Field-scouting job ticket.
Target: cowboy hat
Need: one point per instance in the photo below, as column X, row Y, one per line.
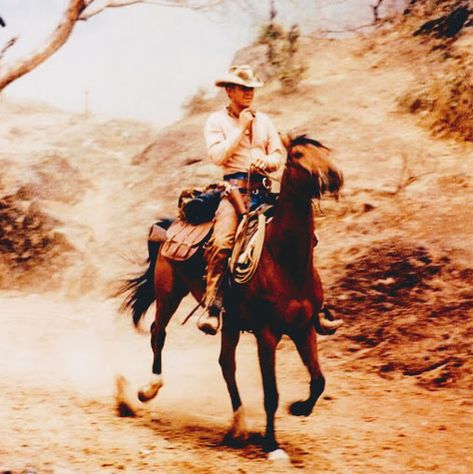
column 240, row 75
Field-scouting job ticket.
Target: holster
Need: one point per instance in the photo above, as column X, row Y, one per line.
column 237, row 200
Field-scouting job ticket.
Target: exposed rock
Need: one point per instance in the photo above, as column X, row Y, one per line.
column 446, row 26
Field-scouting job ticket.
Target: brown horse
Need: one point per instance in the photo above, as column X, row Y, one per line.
column 284, row 296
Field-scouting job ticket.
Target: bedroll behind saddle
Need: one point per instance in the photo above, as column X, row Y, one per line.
column 198, row 206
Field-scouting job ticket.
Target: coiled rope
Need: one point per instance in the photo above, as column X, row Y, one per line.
column 244, row 262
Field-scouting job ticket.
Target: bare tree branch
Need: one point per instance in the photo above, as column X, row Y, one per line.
column 347, row 30
column 407, row 175
column 75, row 12
column 7, row 46
column 375, row 11
column 194, row 5
column 57, row 39
column 86, row 15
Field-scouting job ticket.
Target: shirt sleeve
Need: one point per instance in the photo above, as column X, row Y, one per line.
column 219, row 146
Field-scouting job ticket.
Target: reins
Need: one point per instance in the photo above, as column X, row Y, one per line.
column 264, row 173
column 316, row 202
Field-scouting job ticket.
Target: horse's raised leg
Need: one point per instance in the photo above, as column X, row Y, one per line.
column 267, row 342
column 229, row 342
column 169, row 293
column 306, row 343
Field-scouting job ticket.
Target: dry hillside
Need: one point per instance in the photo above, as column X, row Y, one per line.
column 77, row 196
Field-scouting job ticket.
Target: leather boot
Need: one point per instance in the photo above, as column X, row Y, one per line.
column 211, row 320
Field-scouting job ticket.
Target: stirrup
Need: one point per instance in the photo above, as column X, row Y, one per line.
column 210, row 323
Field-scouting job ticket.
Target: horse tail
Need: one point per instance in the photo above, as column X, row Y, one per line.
column 139, row 290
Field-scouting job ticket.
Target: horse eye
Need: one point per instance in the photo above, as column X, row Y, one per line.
column 297, row 154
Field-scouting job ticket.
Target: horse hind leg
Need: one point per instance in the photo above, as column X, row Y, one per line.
column 150, row 390
column 169, row 294
column 306, row 344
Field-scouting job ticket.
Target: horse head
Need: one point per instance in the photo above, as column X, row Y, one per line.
column 313, row 158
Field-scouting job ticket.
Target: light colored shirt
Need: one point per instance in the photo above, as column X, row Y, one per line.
column 234, row 150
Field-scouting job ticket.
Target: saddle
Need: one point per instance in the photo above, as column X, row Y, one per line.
column 183, row 239
column 193, row 228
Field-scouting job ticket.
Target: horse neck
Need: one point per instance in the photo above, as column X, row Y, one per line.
column 291, row 236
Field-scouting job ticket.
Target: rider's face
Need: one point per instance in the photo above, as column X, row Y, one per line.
column 240, row 96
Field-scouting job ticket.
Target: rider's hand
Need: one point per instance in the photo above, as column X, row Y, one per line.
column 246, row 118
column 259, row 163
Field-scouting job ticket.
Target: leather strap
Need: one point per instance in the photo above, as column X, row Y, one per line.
column 242, row 184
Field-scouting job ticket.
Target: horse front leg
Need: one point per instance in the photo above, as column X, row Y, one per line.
column 229, row 342
column 169, row 293
column 306, row 344
column 267, row 342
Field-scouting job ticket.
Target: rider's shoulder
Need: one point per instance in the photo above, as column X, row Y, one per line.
column 217, row 116
column 264, row 118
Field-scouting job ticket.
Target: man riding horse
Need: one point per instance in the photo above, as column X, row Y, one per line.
column 242, row 142
column 284, row 295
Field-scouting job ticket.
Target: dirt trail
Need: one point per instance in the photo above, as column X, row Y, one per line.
column 58, row 362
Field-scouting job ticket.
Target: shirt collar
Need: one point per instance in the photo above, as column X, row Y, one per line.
column 230, row 112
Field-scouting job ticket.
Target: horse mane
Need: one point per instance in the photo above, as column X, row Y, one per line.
column 305, row 140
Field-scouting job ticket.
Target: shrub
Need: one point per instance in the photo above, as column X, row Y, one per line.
column 445, row 101
column 282, row 54
column 453, row 108
column 198, row 103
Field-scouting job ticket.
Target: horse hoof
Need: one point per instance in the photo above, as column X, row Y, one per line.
column 149, row 391
column 300, row 409
column 238, row 432
column 278, row 455
column 236, row 440
column 327, row 324
column 123, row 404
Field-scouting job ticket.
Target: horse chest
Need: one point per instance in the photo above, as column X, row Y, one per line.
column 298, row 311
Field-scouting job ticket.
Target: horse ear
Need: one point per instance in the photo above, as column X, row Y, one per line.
column 286, row 139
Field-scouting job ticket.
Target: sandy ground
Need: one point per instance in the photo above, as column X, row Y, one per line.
column 58, row 362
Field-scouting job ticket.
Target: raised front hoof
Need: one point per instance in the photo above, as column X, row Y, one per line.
column 300, row 409
column 331, row 328
column 325, row 323
column 149, row 391
column 278, row 456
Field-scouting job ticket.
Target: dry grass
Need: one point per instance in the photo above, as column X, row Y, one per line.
column 443, row 96
column 444, row 102
column 452, row 114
